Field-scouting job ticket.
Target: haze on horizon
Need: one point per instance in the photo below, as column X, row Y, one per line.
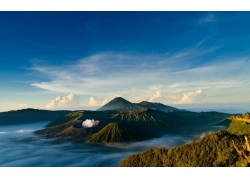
column 82, row 60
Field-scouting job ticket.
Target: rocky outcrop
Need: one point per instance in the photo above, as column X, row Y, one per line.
column 245, row 117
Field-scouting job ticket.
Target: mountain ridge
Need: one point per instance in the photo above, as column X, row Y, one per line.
column 121, row 104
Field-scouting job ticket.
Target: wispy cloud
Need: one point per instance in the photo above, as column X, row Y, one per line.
column 208, row 19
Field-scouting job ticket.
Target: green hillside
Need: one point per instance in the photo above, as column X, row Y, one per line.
column 213, row 150
column 118, row 132
column 29, row 116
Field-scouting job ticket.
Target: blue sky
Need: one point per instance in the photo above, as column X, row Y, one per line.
column 82, row 60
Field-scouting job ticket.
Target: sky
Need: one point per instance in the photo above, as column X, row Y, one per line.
column 83, row 59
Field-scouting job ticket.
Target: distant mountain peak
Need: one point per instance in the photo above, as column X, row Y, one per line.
column 116, row 103
column 120, row 99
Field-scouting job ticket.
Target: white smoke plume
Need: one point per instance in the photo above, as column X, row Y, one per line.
column 88, row 123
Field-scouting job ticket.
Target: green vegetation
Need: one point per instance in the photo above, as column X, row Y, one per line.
column 220, row 149
column 118, row 132
column 29, row 116
column 213, row 150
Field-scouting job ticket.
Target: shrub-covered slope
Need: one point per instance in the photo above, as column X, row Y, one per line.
column 213, row 150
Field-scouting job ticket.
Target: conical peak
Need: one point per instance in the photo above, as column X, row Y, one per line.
column 119, row 100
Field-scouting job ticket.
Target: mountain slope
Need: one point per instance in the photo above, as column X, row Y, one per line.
column 118, row 132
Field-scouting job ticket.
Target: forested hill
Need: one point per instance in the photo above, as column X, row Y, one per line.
column 29, row 116
column 214, row 150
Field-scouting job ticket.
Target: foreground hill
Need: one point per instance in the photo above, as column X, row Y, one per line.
column 29, row 116
column 118, row 132
column 121, row 104
column 223, row 148
column 213, row 150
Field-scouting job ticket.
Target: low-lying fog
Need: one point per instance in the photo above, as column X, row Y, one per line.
column 20, row 147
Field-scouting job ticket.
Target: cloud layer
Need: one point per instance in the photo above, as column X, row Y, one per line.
column 70, row 101
column 137, row 77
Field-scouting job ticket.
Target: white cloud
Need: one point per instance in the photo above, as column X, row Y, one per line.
column 70, row 101
column 98, row 101
column 190, row 97
column 157, row 95
column 105, row 101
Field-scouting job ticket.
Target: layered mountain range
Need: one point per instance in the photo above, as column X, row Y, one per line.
column 119, row 118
